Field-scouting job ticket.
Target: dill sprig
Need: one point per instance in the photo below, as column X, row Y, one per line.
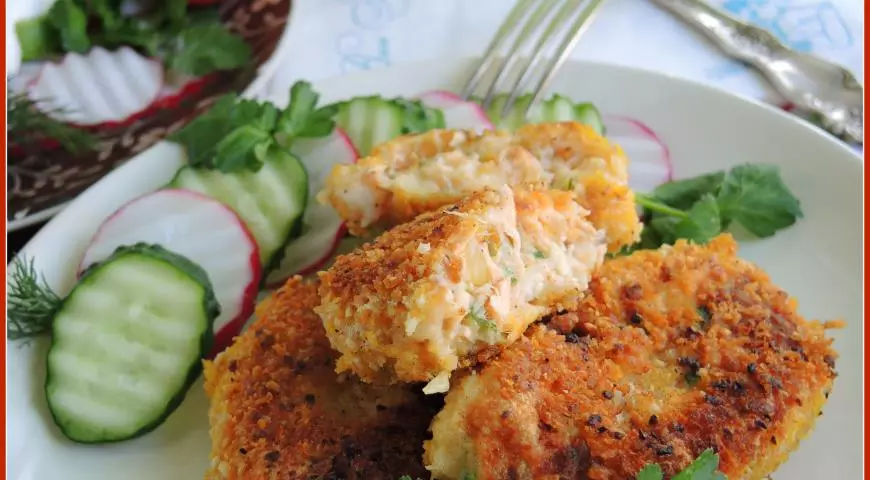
column 31, row 303
column 27, row 122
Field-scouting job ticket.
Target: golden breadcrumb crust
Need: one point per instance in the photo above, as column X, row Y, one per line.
column 563, row 155
column 671, row 353
column 279, row 411
column 377, row 301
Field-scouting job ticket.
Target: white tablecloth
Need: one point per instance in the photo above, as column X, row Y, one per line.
column 332, row 37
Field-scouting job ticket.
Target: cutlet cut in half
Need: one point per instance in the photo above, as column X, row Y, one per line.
column 418, row 173
column 279, row 410
column 438, row 292
column 672, row 352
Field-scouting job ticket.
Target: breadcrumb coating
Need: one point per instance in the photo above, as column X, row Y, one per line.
column 279, row 411
column 435, row 293
column 672, row 352
column 413, row 174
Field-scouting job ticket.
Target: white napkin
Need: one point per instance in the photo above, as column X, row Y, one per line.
column 332, row 37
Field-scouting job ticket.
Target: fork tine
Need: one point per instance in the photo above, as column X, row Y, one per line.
column 538, row 53
column 578, row 27
column 534, row 21
column 572, row 35
column 515, row 15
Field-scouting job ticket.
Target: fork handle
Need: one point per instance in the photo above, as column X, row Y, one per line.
column 811, row 83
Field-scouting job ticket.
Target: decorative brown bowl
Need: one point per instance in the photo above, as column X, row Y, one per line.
column 43, row 178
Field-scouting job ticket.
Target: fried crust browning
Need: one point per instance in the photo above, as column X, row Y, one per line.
column 671, row 352
column 419, row 173
column 279, row 411
column 427, row 296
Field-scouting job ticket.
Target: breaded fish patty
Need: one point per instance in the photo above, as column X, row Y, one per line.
column 279, row 411
column 418, row 173
column 429, row 294
column 672, row 352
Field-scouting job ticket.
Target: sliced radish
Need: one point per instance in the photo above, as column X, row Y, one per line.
column 649, row 160
column 201, row 229
column 98, row 87
column 323, row 229
column 458, row 113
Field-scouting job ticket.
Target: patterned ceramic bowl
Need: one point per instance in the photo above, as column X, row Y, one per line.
column 41, row 179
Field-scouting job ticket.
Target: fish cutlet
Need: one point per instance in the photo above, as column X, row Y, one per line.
column 418, row 173
column 429, row 296
column 672, row 352
column 279, row 411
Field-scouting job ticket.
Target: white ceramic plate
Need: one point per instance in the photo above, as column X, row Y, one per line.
column 818, row 260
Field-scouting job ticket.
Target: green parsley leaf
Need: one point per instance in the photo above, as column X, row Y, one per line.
column 237, row 134
column 36, row 38
column 697, row 209
column 244, row 148
column 176, row 11
column 201, row 49
column 703, row 468
column 200, row 136
column 71, row 22
column 756, row 197
column 301, row 118
column 108, row 11
column 650, row 472
column 703, row 222
column 682, row 194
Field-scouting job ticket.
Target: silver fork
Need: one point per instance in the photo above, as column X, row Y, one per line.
column 531, row 21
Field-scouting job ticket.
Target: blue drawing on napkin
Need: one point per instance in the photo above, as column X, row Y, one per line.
column 805, row 27
column 376, row 14
column 357, row 54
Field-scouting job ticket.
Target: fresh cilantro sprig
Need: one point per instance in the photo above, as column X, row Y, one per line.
column 191, row 42
column 703, row 468
column 699, row 208
column 237, row 134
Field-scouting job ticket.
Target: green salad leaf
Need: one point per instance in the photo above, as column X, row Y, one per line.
column 703, row 468
column 71, row 22
column 756, row 197
column 699, row 208
column 238, row 134
column 201, row 49
column 189, row 41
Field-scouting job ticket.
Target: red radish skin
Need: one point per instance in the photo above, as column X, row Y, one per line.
column 229, row 324
column 458, row 113
column 337, row 149
column 648, row 156
column 66, row 67
column 163, row 102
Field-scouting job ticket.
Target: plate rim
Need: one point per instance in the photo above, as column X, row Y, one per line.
column 849, row 156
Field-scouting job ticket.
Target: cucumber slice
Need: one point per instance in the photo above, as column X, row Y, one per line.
column 270, row 201
column 369, row 121
column 556, row 109
column 127, row 343
column 372, row 120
